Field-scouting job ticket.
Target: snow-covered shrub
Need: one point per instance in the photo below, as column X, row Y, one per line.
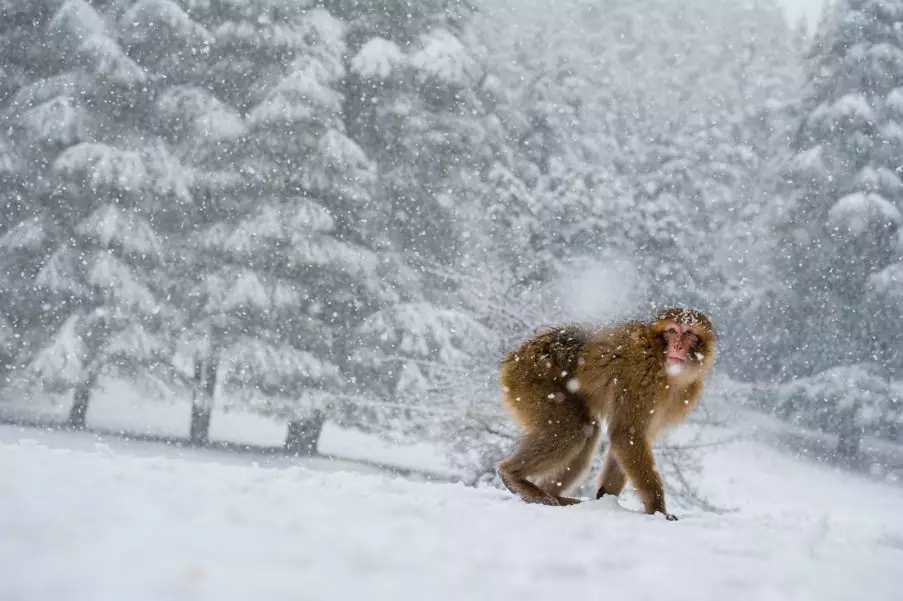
column 844, row 400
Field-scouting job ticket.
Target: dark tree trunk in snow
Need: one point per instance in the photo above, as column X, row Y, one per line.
column 81, row 398
column 202, row 404
column 303, row 435
column 850, row 436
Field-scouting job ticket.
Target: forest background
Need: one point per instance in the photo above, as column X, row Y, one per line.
column 345, row 211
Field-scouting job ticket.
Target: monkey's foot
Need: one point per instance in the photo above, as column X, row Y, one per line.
column 546, row 499
column 668, row 516
column 568, row 501
column 602, row 492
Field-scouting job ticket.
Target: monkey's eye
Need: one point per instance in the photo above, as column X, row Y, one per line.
column 691, row 337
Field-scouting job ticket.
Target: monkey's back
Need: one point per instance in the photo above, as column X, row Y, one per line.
column 534, row 376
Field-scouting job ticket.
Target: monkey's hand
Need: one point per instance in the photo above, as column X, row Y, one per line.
column 668, row 516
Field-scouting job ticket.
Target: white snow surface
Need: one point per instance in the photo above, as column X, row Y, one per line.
column 87, row 520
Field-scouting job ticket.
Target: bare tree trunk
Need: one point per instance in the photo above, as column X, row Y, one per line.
column 202, row 403
column 78, row 414
column 850, row 436
column 304, row 434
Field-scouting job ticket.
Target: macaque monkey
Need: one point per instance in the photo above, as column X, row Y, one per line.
column 637, row 377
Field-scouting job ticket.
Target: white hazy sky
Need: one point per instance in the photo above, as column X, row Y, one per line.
column 811, row 9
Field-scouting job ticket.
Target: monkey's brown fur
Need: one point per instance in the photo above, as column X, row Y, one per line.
column 563, row 383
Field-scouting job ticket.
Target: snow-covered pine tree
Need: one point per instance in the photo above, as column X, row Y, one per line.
column 768, row 77
column 843, row 201
column 22, row 60
column 414, row 103
column 165, row 39
column 841, row 206
column 549, row 101
column 301, row 158
column 279, row 252
column 14, row 208
column 91, row 238
column 710, row 129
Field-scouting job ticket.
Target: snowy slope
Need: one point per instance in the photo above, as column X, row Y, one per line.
column 108, row 524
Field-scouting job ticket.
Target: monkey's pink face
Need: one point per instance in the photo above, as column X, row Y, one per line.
column 679, row 341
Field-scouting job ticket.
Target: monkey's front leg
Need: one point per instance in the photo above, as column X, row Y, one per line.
column 612, row 479
column 634, row 454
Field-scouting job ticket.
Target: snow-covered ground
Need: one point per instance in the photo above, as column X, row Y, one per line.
column 82, row 520
column 118, row 406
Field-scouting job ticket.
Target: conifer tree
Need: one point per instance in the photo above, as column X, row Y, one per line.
column 841, row 226
column 93, row 249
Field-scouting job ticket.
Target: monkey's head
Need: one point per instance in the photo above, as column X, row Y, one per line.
column 687, row 340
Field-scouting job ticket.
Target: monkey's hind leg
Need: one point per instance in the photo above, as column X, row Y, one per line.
column 559, row 482
column 542, row 452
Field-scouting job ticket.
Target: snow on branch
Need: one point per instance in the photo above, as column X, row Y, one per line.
column 275, row 366
column 77, row 19
column 858, row 212
column 823, row 401
column 888, row 283
column 285, row 296
column 199, row 110
column 302, row 96
column 85, row 38
column 30, row 234
column 278, row 223
column 324, row 30
column 880, row 180
column 810, row 162
column 233, row 290
column 323, row 251
column 894, row 102
column 852, row 109
column 57, row 121
column 378, row 59
column 425, row 331
column 135, row 344
column 892, row 133
column 61, row 273
column 342, row 168
column 168, row 176
column 60, row 363
column 444, row 57
column 6, row 334
column 151, row 21
column 303, row 214
column 115, row 280
column 133, row 233
column 294, row 34
column 103, row 166
column 343, row 154
column 107, row 60
column 228, row 290
column 265, row 10
column 10, row 162
column 65, row 84
column 100, row 166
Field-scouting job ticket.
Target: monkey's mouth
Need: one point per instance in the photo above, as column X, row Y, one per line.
column 677, row 360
